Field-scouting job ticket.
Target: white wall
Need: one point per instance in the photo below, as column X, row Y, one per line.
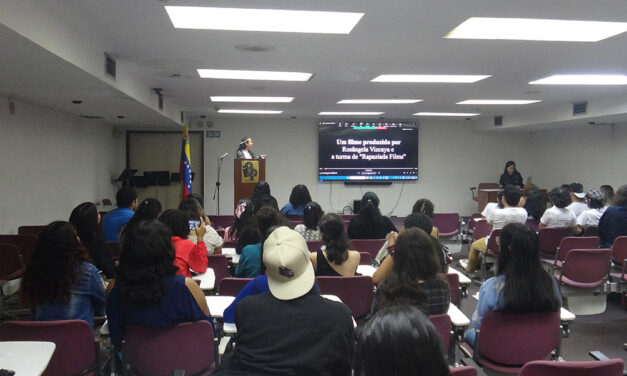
column 50, row 162
column 451, row 159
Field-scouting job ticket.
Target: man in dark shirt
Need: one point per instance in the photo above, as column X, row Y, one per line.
column 291, row 330
column 613, row 223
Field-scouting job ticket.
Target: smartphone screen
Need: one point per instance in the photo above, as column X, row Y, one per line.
column 192, row 223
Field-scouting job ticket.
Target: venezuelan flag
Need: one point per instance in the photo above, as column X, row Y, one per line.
column 185, row 169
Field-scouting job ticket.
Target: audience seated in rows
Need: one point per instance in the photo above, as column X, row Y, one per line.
column 194, row 212
column 369, row 223
column 520, row 285
column 147, row 291
column 298, row 199
column 60, row 283
column 399, row 340
column 415, row 277
column 309, row 228
column 334, row 258
column 126, row 201
column 613, row 223
column 86, row 220
column 188, row 255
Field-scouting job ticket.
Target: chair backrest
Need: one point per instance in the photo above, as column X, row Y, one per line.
column 223, row 221
column 114, row 250
column 346, row 217
column 232, row 286
column 533, row 224
column 30, row 230
column 513, row 339
column 463, row 371
column 611, row 367
column 314, row 245
column 75, row 350
column 159, row 352
column 25, row 245
column 447, row 223
column 10, row 262
column 453, row 282
column 220, row 266
column 494, row 243
column 586, row 268
column 229, row 244
column 371, row 246
column 550, row 238
column 442, row 324
column 619, row 250
column 482, row 229
column 590, row 231
column 473, row 220
column 356, row 292
column 295, row 222
column 365, row 258
column 579, row 242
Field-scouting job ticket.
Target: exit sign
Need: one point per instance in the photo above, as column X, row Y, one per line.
column 213, row 134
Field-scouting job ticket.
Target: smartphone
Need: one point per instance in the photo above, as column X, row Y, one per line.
column 192, row 223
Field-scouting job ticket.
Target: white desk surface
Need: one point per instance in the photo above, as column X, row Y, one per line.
column 463, row 280
column 491, row 189
column 11, row 287
column 565, row 315
column 26, row 358
column 207, row 280
column 366, row 270
column 230, row 253
column 457, row 317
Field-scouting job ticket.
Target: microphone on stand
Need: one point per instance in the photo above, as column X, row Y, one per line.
column 224, row 155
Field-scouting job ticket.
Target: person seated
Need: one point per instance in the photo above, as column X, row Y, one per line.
column 261, row 197
column 558, row 215
column 509, row 213
column 334, row 258
column 521, row 284
column 194, row 211
column 608, row 195
column 511, row 176
column 415, row 277
column 86, row 220
column 535, row 205
column 577, row 196
column 188, row 255
column 290, row 330
column 126, row 201
column 613, row 223
column 244, row 215
column 147, row 291
column 400, row 340
column 309, row 228
column 369, row 223
column 298, row 199
column 426, row 207
column 60, row 283
column 590, row 217
column 148, row 209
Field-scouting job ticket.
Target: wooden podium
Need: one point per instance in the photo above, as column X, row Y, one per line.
column 246, row 174
column 486, row 195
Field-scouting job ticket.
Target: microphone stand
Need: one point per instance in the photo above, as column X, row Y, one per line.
column 217, row 190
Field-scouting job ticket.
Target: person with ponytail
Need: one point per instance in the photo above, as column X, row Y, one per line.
column 86, row 220
column 311, row 216
column 369, row 223
column 334, row 258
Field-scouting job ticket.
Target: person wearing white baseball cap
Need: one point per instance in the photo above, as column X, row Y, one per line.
column 577, row 195
column 290, row 330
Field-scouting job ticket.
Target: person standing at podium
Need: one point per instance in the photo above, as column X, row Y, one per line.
column 511, row 176
column 244, row 150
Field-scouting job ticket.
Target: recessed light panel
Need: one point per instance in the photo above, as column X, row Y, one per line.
column 346, row 113
column 464, row 114
column 262, row 112
column 498, row 101
column 252, row 99
column 437, row 78
column 290, row 21
column 229, row 74
column 536, row 29
column 378, row 101
column 582, row 79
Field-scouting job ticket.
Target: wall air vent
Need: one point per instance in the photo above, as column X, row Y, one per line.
column 580, row 108
column 110, row 65
column 498, row 121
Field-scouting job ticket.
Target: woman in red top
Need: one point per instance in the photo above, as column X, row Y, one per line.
column 188, row 255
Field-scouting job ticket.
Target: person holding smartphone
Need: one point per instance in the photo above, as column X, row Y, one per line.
column 188, row 255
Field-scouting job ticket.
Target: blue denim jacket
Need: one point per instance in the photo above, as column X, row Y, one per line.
column 86, row 300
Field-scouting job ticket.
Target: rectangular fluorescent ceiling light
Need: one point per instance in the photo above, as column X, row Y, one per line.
column 263, row 112
column 343, row 113
column 582, row 79
column 252, row 99
column 464, row 114
column 498, row 101
column 289, row 21
column 438, row 78
column 536, row 29
column 378, row 101
column 229, row 74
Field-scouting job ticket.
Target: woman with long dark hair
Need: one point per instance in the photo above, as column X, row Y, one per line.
column 244, row 217
column 261, row 197
column 334, row 258
column 415, row 278
column 147, row 291
column 60, row 283
column 188, row 255
column 86, row 220
column 194, row 212
column 369, row 223
column 399, row 340
column 311, row 216
column 298, row 199
column 148, row 209
column 511, row 176
column 521, row 284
